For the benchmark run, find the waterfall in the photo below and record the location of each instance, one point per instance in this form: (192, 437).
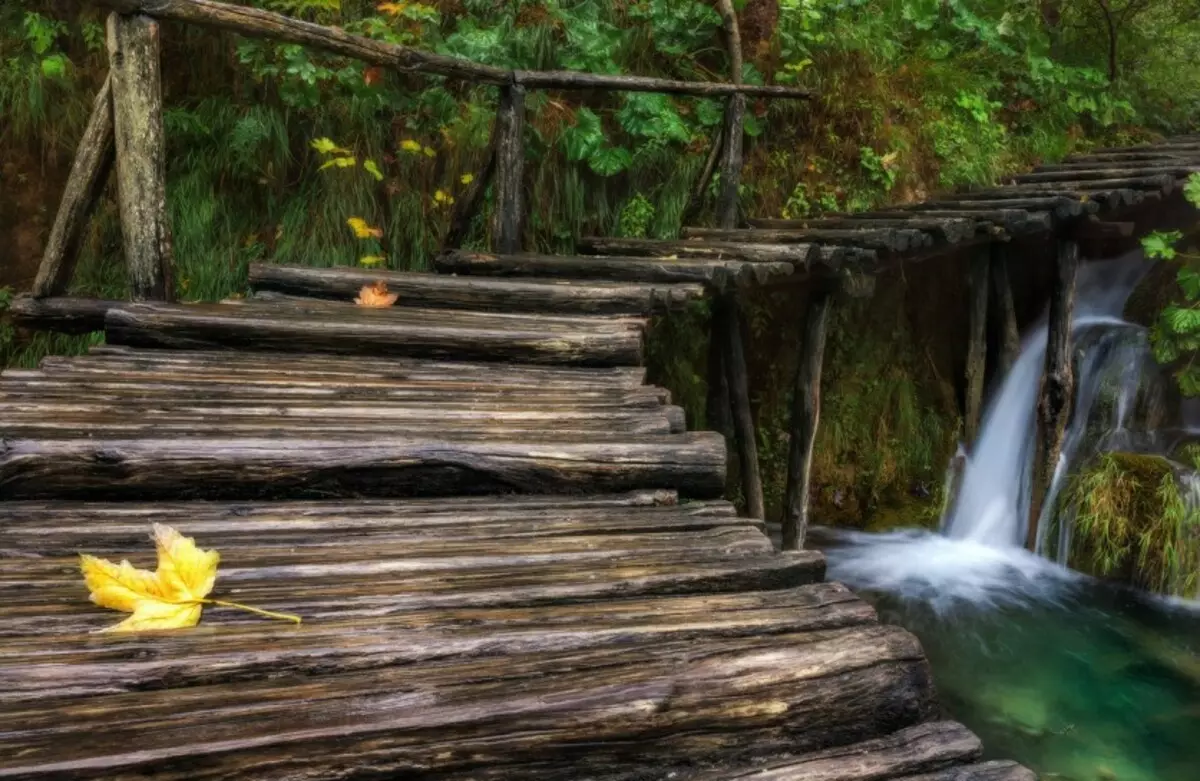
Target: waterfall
(993, 501)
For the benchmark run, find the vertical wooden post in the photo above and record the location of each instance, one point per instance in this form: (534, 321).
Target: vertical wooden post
(743, 419)
(1058, 382)
(89, 172)
(1004, 309)
(510, 169)
(717, 408)
(734, 126)
(977, 278)
(133, 54)
(806, 414)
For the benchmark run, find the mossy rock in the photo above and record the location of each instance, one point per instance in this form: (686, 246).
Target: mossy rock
(1131, 523)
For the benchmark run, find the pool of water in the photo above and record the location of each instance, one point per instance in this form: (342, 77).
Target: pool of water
(1076, 679)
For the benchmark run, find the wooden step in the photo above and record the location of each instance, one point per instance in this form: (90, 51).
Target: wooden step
(439, 291)
(420, 333)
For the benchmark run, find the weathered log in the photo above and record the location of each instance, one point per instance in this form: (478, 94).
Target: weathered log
(1012, 210)
(1004, 310)
(1186, 145)
(442, 291)
(1058, 384)
(798, 254)
(597, 81)
(882, 240)
(982, 771)
(247, 651)
(977, 312)
(1132, 158)
(133, 55)
(925, 747)
(1106, 174)
(1092, 228)
(948, 231)
(258, 23)
(745, 433)
(432, 333)
(718, 273)
(743, 695)
(731, 161)
(718, 407)
(806, 414)
(62, 314)
(1165, 182)
(471, 202)
(261, 468)
(509, 209)
(89, 171)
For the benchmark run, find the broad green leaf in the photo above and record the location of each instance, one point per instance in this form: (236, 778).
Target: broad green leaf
(608, 162)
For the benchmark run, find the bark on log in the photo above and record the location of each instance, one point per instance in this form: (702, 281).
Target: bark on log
(1000, 208)
(1100, 173)
(798, 254)
(449, 292)
(925, 747)
(89, 172)
(65, 315)
(731, 162)
(745, 432)
(471, 202)
(1058, 384)
(133, 53)
(742, 696)
(977, 280)
(885, 240)
(1004, 310)
(1092, 228)
(806, 413)
(249, 468)
(982, 771)
(597, 81)
(1163, 183)
(946, 231)
(509, 208)
(427, 333)
(718, 273)
(258, 23)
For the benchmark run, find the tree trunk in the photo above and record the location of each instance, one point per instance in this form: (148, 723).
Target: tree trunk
(133, 52)
(1058, 384)
(806, 413)
(743, 418)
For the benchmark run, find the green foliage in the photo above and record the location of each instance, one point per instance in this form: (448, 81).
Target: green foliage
(1175, 337)
(1131, 523)
(636, 216)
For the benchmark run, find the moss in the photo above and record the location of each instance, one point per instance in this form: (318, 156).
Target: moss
(1131, 524)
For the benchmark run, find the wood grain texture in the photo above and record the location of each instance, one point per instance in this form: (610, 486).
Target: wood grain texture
(806, 415)
(977, 313)
(403, 332)
(800, 255)
(508, 211)
(893, 240)
(133, 55)
(63, 314)
(449, 292)
(89, 172)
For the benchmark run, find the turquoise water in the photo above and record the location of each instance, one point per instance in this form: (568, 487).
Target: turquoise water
(1073, 678)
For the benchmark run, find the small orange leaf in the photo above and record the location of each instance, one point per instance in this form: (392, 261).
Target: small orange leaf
(376, 296)
(372, 75)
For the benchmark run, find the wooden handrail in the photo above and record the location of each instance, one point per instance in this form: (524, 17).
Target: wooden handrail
(257, 23)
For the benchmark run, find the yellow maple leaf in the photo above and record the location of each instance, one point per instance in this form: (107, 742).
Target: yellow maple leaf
(172, 597)
(362, 230)
(376, 296)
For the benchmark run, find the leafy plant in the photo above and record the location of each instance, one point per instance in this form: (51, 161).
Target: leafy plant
(1176, 334)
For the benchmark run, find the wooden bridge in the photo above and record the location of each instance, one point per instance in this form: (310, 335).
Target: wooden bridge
(510, 556)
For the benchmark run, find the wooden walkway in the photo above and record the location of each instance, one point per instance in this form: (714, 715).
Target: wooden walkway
(478, 516)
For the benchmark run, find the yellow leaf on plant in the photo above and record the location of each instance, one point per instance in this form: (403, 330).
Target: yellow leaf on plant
(376, 296)
(443, 197)
(408, 145)
(393, 9)
(371, 260)
(362, 230)
(172, 597)
(373, 169)
(467, 178)
(326, 146)
(340, 162)
(429, 152)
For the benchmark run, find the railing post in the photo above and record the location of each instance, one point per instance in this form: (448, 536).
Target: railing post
(510, 169)
(806, 414)
(1058, 383)
(1003, 308)
(731, 162)
(745, 433)
(133, 53)
(89, 172)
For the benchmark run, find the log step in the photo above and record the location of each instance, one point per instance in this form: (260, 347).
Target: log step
(419, 333)
(439, 291)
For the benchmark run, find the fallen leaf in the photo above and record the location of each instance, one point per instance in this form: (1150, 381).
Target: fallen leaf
(376, 296)
(172, 597)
